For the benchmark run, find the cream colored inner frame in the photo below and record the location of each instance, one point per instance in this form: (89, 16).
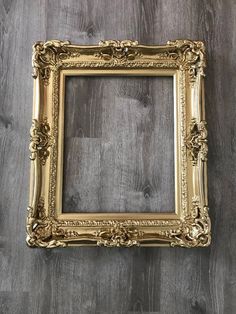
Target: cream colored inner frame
(177, 152)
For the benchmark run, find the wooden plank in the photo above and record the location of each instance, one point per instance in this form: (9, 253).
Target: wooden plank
(119, 144)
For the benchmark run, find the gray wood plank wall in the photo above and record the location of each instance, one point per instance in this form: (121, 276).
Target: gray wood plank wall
(119, 144)
(95, 280)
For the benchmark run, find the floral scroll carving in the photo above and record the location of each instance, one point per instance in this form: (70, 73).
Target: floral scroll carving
(45, 56)
(118, 51)
(193, 231)
(196, 228)
(118, 235)
(192, 57)
(47, 225)
(41, 231)
(40, 140)
(196, 141)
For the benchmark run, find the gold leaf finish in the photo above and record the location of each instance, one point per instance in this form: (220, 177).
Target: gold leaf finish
(196, 141)
(39, 140)
(40, 229)
(117, 50)
(195, 230)
(192, 57)
(189, 225)
(120, 234)
(45, 56)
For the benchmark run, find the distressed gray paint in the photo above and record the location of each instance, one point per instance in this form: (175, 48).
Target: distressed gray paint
(94, 280)
(119, 144)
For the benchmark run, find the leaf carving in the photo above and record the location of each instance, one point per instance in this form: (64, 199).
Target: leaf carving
(45, 56)
(196, 141)
(119, 51)
(40, 229)
(40, 140)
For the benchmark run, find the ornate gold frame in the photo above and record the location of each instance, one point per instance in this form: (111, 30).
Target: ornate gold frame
(189, 226)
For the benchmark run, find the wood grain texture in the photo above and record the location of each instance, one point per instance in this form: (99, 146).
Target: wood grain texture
(127, 281)
(119, 144)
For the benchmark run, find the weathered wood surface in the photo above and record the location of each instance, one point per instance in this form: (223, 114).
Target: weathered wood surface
(119, 144)
(95, 280)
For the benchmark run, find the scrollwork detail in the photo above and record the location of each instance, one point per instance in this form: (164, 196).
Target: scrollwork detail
(118, 51)
(40, 140)
(120, 235)
(43, 229)
(195, 230)
(40, 229)
(45, 56)
(192, 57)
(196, 141)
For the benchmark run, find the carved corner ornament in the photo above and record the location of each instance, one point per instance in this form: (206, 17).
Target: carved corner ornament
(47, 55)
(189, 224)
(196, 141)
(195, 229)
(192, 57)
(41, 230)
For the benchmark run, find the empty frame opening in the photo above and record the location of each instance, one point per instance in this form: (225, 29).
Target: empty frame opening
(118, 145)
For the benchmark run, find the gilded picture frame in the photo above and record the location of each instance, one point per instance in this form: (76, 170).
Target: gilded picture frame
(189, 226)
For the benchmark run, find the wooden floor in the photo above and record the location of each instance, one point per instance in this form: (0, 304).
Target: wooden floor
(127, 281)
(119, 144)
